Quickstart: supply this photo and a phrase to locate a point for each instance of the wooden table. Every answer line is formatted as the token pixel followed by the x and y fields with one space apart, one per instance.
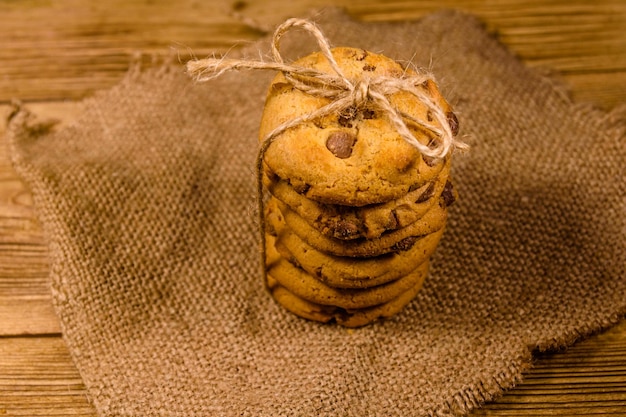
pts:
pixel 55 53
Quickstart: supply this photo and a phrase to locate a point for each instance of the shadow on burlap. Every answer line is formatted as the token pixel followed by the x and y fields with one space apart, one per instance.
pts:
pixel 148 205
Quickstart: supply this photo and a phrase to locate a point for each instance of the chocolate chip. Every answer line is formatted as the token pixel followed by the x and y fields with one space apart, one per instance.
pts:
pixel 406 243
pixel 369 114
pixel 362 56
pixel 393 221
pixel 344 230
pixel 427 194
pixel 340 143
pixel 347 116
pixel 300 187
pixel 430 161
pixel 447 194
pixel 369 67
pixel 453 122
pixel 344 121
pixel 414 186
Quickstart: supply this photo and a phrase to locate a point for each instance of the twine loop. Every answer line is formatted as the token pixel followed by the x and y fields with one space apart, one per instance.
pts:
pixel 343 93
pixel 361 92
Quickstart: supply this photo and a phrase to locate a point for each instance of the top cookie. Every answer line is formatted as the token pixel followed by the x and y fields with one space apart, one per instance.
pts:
pixel 355 157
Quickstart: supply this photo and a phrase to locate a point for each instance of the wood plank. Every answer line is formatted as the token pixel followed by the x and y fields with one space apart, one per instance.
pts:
pixel 60 50
pixel 587 379
pixel 21 316
pixel 37 377
pixel 25 300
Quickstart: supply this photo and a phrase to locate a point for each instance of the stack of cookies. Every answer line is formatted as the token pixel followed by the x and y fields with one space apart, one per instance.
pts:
pixel 353 211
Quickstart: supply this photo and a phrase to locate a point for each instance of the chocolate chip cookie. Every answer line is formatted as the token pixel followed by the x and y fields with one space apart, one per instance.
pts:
pixel 355 157
pixel 345 317
pixel 349 272
pixel 395 241
pixel 371 221
pixel 307 287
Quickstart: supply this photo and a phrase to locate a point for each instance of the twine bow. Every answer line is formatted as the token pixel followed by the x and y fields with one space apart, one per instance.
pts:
pixel 342 92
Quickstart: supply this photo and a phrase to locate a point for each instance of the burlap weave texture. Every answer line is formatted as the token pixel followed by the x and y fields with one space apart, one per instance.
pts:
pixel 148 205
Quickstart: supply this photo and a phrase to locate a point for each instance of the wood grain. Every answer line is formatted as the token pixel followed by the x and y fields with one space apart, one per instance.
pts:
pixel 25 302
pixel 55 53
pixel 68 49
pixel 37 378
pixel 588 379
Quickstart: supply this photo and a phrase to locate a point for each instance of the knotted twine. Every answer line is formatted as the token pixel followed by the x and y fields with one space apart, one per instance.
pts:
pixel 343 93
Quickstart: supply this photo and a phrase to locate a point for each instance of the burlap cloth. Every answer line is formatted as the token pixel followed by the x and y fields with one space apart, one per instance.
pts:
pixel 148 205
